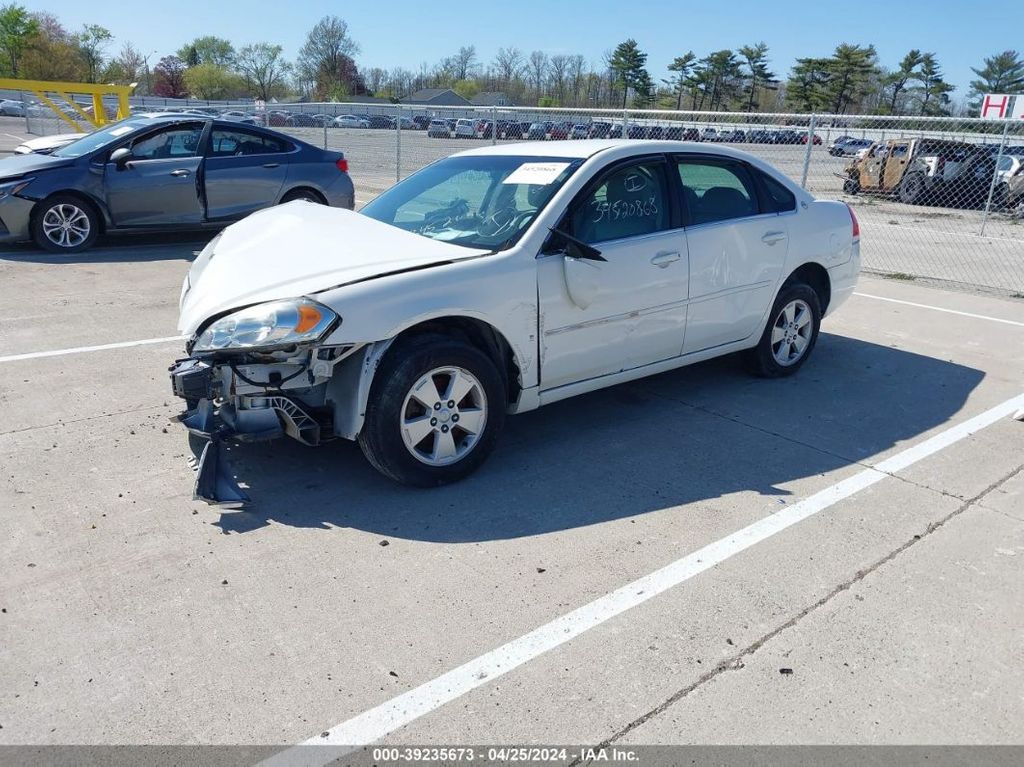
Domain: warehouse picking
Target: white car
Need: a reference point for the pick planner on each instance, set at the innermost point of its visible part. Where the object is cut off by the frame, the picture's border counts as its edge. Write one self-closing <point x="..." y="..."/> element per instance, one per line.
<point x="350" y="121"/>
<point x="465" y="129"/>
<point x="11" y="108"/>
<point x="46" y="144"/>
<point x="496" y="281"/>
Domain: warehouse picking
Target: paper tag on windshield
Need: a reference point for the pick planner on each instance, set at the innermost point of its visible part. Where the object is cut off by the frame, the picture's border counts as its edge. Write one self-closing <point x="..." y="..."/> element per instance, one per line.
<point x="537" y="173"/>
<point x="122" y="130"/>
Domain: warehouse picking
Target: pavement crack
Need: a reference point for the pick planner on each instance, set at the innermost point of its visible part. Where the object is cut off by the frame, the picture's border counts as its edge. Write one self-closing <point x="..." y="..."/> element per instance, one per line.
<point x="80" y="420"/>
<point x="735" y="662"/>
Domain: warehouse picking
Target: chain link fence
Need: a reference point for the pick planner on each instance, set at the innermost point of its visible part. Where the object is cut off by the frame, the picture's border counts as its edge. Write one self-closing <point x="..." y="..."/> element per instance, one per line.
<point x="937" y="198"/>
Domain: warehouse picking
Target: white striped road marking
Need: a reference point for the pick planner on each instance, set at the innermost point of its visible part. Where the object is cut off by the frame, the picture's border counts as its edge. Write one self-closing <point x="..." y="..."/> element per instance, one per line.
<point x="84" y="349"/>
<point x="941" y="309"/>
<point x="376" y="723"/>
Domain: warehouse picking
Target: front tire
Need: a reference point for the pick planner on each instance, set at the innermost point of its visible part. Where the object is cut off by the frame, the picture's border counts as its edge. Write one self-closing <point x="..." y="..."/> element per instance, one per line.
<point x="436" y="408"/>
<point x="790" y="334"/>
<point x="65" y="224"/>
<point x="911" y="190"/>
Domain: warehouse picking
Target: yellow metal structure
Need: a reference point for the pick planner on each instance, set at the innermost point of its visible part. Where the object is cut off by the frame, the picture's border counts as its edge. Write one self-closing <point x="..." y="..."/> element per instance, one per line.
<point x="40" y="88"/>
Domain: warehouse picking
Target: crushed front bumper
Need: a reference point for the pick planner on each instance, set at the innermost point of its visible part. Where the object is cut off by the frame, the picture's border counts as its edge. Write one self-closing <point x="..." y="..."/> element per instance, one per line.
<point x="217" y="414"/>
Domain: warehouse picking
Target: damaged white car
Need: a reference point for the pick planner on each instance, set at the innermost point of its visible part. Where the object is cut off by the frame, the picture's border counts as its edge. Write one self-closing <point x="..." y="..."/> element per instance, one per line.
<point x="493" y="282"/>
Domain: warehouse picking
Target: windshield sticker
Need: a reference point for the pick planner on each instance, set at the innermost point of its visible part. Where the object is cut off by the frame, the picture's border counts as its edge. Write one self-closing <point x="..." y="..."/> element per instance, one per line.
<point x="536" y="173"/>
<point x="122" y="130"/>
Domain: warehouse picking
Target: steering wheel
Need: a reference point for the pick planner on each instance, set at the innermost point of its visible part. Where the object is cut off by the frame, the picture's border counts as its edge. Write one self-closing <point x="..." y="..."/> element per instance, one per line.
<point x="498" y="222"/>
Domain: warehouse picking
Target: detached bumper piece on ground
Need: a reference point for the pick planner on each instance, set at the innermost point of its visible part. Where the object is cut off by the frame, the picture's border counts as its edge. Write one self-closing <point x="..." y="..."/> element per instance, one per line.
<point x="265" y="418"/>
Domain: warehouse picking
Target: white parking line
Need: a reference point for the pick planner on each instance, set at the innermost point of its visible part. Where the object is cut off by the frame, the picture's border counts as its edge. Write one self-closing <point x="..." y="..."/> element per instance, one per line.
<point x="83" y="349"/>
<point x="940" y="309"/>
<point x="384" y="719"/>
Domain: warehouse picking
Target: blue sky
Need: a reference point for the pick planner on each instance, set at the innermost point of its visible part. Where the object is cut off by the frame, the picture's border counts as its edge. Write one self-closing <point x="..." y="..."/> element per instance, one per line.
<point x="410" y="32"/>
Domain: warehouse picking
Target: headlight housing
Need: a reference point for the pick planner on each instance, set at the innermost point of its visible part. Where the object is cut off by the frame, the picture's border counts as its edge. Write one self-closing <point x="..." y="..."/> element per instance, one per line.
<point x="268" y="326"/>
<point x="13" y="187"/>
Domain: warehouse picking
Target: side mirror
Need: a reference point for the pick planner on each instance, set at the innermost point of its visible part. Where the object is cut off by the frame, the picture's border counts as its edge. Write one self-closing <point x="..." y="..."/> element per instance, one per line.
<point x="120" y="157"/>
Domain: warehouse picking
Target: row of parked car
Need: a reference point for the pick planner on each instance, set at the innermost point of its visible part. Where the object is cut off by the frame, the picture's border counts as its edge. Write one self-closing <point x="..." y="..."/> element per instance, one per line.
<point x="551" y="130"/>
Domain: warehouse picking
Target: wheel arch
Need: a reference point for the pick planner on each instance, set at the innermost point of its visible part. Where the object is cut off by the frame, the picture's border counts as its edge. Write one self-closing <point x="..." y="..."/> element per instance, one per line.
<point x="816" y="276"/>
<point x="305" y="187"/>
<point x="97" y="207"/>
<point x="351" y="389"/>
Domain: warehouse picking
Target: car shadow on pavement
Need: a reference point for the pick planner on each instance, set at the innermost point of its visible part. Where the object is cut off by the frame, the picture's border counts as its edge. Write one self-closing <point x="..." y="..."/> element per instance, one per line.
<point x="114" y="248"/>
<point x="694" y="434"/>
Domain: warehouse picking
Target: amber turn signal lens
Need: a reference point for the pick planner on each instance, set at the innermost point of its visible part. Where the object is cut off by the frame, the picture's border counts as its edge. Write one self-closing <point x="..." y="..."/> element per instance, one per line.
<point x="309" y="316"/>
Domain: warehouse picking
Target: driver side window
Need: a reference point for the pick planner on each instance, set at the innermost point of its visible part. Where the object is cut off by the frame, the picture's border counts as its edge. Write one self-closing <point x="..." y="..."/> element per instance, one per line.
<point x="173" y="142"/>
<point x="629" y="201"/>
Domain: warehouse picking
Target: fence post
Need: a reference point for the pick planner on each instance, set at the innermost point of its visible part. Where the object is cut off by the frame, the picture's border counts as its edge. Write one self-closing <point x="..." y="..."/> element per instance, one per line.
<point x="625" y="123"/>
<point x="494" y="124"/>
<point x="398" y="143"/>
<point x="325" y="132"/>
<point x="807" y="154"/>
<point x="995" y="176"/>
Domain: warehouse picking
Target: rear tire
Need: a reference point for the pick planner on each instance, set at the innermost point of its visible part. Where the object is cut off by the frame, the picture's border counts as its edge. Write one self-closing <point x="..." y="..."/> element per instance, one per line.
<point x="911" y="189"/>
<point x="417" y="431"/>
<point x="303" y="194"/>
<point x="789" y="335"/>
<point x="65" y="223"/>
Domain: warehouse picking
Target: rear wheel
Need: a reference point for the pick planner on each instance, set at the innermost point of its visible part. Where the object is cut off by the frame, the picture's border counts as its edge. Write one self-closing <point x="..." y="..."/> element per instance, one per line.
<point x="303" y="194"/>
<point x="435" y="411"/>
<point x="65" y="224"/>
<point x="851" y="185"/>
<point x="911" y="189"/>
<point x="790" y="335"/>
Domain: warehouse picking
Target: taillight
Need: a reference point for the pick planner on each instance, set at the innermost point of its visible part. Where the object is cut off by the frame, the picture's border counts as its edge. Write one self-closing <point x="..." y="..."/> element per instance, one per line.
<point x="342" y="165"/>
<point x="856" y="223"/>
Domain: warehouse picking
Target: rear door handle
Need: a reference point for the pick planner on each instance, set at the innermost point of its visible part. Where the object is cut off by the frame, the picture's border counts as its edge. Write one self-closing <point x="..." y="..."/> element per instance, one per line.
<point x="181" y="172"/>
<point x="664" y="259"/>
<point x="271" y="165"/>
<point x="770" y="238"/>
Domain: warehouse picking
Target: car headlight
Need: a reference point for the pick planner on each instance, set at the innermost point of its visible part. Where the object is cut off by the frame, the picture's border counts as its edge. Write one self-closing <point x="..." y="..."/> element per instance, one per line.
<point x="13" y="187"/>
<point x="270" y="325"/>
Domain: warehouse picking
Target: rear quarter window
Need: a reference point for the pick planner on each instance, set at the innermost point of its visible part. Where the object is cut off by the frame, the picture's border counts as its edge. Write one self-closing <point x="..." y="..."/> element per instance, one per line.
<point x="778" y="199"/>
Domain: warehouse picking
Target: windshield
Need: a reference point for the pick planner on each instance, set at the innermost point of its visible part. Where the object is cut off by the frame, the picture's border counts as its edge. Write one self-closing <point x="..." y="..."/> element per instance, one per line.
<point x="486" y="201"/>
<point x="99" y="139"/>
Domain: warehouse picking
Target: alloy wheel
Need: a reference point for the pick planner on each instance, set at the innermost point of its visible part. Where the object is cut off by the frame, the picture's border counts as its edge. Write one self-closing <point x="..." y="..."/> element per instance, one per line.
<point x="791" y="332"/>
<point x="66" y="225"/>
<point x="443" y="416"/>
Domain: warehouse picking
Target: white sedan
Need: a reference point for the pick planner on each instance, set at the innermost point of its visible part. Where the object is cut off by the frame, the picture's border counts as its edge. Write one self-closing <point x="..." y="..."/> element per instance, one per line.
<point x="493" y="282"/>
<point x="350" y="121"/>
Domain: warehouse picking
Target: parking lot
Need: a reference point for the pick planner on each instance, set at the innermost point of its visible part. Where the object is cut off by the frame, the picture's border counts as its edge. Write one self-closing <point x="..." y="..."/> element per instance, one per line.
<point x="699" y="557"/>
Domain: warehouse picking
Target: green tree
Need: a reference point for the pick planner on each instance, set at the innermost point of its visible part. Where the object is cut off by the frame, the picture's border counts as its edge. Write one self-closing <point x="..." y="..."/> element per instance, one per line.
<point x="805" y="90"/>
<point x="17" y="28"/>
<point x="263" y="68"/>
<point x="208" y="49"/>
<point x="850" y="70"/>
<point x="934" y="90"/>
<point x="682" y="66"/>
<point x="209" y="81"/>
<point x="92" y="43"/>
<point x="53" y="53"/>
<point x="721" y="73"/>
<point x="755" y="58"/>
<point x="899" y="79"/>
<point x="325" y="59"/>
<point x="466" y="88"/>
<point x="1001" y="73"/>
<point x="627" y="64"/>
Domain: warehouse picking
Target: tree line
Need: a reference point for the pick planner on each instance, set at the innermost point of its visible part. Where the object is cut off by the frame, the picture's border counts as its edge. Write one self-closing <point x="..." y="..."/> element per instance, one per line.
<point x="35" y="45"/>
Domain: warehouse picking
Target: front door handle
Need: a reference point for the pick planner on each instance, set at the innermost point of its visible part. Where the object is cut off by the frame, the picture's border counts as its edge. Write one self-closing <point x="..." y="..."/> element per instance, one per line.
<point x="271" y="165"/>
<point x="770" y="238"/>
<point x="665" y="258"/>
<point x="181" y="172"/>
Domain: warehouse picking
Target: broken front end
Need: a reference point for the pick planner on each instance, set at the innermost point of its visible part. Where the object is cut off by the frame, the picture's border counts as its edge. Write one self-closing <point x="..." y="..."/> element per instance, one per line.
<point x="262" y="373"/>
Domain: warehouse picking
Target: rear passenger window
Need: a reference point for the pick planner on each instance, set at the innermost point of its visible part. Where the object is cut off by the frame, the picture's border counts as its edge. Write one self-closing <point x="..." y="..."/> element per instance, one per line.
<point x="234" y="143"/>
<point x="780" y="199"/>
<point x="715" y="191"/>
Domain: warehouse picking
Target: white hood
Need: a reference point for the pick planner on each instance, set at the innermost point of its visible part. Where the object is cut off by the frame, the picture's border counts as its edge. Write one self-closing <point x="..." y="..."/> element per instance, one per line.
<point x="297" y="249"/>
